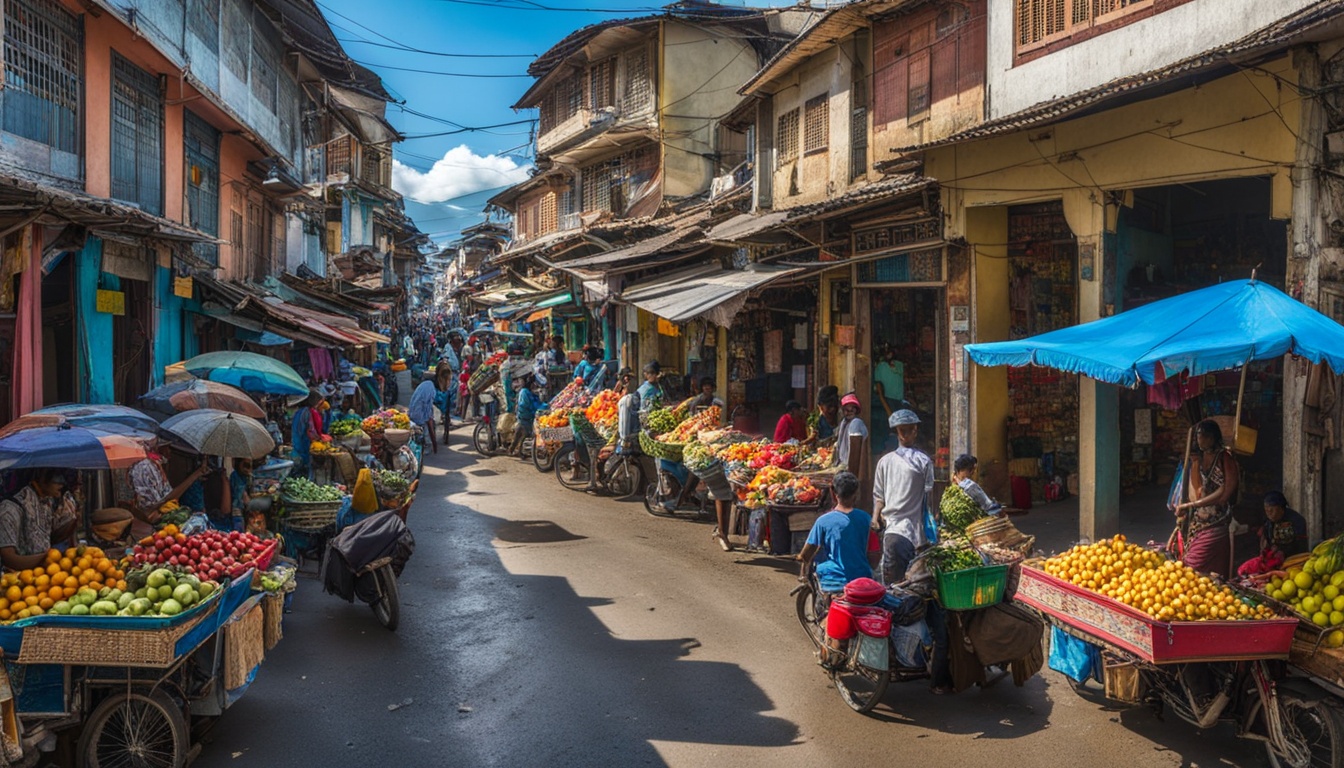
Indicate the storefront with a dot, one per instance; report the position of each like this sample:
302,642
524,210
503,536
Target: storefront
770,355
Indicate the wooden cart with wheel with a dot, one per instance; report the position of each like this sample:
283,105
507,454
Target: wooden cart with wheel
115,690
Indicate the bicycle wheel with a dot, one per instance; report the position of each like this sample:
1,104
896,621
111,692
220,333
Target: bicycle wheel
566,465
543,455
1313,732
132,728
655,495
861,687
485,439
811,615
626,478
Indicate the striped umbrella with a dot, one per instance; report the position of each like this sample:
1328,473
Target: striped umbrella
219,433
109,419
68,447
190,395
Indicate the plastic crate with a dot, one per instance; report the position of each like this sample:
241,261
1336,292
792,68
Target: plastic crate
971,588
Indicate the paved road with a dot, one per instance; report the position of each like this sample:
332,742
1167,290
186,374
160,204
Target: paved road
543,627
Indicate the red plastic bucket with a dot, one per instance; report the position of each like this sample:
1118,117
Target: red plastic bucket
846,619
864,591
840,621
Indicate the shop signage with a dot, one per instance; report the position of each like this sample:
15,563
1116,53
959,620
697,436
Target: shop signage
124,260
111,302
869,240
667,328
182,287
844,335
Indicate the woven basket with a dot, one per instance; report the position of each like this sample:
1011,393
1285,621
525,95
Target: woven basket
273,613
660,450
244,647
483,378
555,434
53,644
585,431
310,515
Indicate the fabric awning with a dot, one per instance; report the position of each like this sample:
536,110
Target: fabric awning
539,314
706,290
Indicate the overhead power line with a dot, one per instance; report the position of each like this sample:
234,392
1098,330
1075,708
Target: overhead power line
432,72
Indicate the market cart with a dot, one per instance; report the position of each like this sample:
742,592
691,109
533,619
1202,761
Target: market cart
128,686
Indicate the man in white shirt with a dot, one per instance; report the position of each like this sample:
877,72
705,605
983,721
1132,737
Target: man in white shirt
901,486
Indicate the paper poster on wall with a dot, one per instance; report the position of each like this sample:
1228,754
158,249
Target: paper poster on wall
110,302
182,287
799,378
800,336
961,318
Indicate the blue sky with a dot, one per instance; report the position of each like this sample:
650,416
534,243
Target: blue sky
434,173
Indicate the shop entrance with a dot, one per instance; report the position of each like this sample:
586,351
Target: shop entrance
58,333
909,368
1177,239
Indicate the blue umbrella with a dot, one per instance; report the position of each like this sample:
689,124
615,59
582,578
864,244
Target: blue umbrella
68,447
1213,329
248,371
116,419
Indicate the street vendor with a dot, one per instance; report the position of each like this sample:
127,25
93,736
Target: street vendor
149,482
851,436
963,474
650,395
828,412
901,485
40,515
304,428
588,365
1283,535
706,399
793,424
1212,490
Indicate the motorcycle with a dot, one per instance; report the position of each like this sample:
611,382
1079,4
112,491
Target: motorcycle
854,638
364,561
624,473
675,490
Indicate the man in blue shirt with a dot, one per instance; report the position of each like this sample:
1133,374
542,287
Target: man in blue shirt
529,403
650,394
421,409
839,539
588,365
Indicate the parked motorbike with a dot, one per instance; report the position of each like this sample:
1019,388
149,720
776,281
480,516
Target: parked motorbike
675,490
364,561
854,640
624,474
542,452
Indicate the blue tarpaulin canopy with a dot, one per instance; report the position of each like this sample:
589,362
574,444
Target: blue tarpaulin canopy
1213,329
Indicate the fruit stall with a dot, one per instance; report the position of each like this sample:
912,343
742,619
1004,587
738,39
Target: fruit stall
1310,588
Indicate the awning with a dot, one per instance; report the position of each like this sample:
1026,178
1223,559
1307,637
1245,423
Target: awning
744,225
706,290
540,314
554,301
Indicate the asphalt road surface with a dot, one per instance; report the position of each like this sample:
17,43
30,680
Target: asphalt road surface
543,627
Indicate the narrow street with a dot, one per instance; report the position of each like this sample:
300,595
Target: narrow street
543,627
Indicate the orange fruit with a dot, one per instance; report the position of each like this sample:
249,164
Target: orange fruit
121,584
70,581
85,562
23,614
31,601
14,594
35,610
85,577
54,568
76,570
42,581
70,591
45,603
29,591
104,566
26,576
53,555
67,564
56,593
5,615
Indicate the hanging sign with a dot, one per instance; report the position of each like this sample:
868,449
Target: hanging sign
182,287
111,302
667,328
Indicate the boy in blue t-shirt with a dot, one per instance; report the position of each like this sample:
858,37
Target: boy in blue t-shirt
839,539
529,403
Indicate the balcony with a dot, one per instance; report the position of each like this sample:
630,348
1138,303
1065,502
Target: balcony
566,130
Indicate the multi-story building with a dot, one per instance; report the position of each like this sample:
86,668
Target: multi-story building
144,143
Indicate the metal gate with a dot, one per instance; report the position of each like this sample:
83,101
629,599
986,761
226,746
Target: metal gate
201,141
137,136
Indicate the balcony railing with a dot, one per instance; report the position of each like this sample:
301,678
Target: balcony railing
570,221
564,131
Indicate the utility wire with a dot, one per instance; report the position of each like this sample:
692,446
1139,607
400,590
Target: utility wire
433,72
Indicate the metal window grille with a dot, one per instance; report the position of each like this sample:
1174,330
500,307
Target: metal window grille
612,185
137,136
1040,21
858,143
43,73
201,143
371,161
786,135
236,32
549,221
918,84
265,64
203,22
256,239
817,124
601,79
338,155
597,187
638,81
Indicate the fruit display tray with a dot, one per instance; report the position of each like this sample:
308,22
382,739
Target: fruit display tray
1159,642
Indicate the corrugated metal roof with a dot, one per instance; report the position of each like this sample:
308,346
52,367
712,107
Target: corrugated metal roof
743,227
678,236
707,290
1295,28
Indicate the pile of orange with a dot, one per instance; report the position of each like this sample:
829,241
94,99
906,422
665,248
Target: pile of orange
603,408
33,591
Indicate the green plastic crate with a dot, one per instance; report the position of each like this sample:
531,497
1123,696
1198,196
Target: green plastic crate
971,588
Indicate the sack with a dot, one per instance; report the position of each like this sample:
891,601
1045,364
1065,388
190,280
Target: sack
365,497
912,644
756,529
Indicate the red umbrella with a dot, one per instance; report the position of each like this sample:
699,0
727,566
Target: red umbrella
192,395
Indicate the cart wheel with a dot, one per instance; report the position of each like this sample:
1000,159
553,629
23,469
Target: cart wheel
565,464
543,455
653,498
134,729
861,688
485,439
1313,730
627,479
388,605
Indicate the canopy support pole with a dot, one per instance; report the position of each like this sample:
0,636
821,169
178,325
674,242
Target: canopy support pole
1236,416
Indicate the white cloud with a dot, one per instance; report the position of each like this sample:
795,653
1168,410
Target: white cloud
460,172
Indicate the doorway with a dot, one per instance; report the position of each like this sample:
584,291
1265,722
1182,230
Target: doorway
909,368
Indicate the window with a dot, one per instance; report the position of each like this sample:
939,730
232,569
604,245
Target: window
615,184
638,81
201,143
1040,22
786,136
917,95
858,143
237,35
601,84
816,124
137,136
549,221
203,21
43,73
265,64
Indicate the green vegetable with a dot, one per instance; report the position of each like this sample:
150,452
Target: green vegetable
664,420
958,509
304,490
953,557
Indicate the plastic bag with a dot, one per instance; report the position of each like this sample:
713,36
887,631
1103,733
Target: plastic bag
197,523
930,525
365,497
